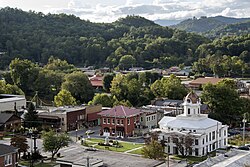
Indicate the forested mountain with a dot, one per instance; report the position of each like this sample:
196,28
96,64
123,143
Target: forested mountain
35,36
230,30
205,24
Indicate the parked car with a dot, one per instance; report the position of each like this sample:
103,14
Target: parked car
88,132
243,148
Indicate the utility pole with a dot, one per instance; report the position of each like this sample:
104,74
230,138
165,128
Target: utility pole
244,128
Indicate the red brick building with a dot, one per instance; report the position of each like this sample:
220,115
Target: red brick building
8,156
119,121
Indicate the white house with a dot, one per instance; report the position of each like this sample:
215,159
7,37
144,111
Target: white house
208,134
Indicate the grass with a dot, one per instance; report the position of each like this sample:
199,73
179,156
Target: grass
38,164
238,140
190,159
138,151
126,145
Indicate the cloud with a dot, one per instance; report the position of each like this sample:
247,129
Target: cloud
154,9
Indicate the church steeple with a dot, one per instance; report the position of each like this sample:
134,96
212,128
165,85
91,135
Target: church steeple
192,104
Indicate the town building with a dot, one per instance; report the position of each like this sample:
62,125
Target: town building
96,81
8,156
12,102
9,122
119,121
208,134
69,118
199,82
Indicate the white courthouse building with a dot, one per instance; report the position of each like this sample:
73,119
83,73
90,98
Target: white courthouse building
208,134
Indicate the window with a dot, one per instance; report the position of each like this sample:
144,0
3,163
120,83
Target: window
194,130
188,110
104,120
213,135
196,142
206,138
128,121
118,122
210,136
108,121
122,122
113,121
152,117
198,111
141,119
203,141
149,118
7,160
188,100
225,132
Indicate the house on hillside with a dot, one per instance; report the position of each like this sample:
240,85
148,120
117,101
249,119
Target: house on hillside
96,81
199,82
9,121
119,121
207,134
8,156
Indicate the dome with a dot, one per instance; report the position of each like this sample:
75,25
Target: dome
193,97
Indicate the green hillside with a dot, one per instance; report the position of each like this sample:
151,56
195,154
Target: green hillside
35,36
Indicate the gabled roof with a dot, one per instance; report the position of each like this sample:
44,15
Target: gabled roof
201,81
5,149
4,117
96,81
120,111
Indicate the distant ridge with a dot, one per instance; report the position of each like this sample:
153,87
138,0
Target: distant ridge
204,24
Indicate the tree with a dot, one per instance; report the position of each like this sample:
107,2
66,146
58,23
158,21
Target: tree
169,87
9,89
53,142
24,73
64,98
78,84
223,101
153,150
126,62
31,117
48,83
55,64
183,142
103,99
20,142
107,79
157,88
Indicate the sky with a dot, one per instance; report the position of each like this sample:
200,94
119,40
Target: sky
111,10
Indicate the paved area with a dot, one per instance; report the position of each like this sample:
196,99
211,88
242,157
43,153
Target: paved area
233,158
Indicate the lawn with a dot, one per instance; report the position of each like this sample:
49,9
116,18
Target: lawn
126,145
138,151
38,164
238,140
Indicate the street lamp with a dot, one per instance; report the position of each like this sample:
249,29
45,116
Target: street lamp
244,128
76,134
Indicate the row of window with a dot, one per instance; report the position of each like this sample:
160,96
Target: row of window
118,121
151,118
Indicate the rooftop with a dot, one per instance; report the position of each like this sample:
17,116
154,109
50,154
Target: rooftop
192,122
201,81
5,149
120,111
